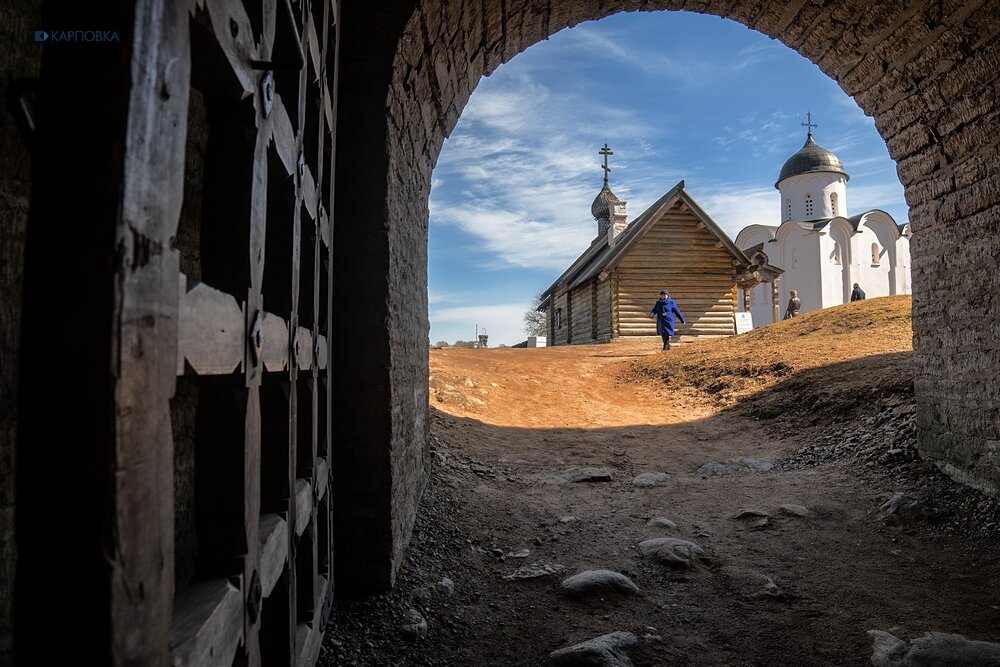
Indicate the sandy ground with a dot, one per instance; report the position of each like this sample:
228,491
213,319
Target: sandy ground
506,422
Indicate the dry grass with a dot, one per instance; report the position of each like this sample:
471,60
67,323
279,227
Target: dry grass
828,361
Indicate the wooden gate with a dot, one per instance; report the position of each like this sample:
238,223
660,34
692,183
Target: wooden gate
222,312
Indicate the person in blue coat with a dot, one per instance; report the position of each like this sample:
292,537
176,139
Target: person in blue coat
664,311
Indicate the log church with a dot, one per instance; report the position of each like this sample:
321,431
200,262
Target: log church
608,291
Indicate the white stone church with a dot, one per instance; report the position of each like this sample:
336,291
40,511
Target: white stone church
822,248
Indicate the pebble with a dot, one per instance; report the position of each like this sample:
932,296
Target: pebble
534,571
934,648
597,583
901,508
567,519
446,585
414,626
574,475
604,651
714,468
648,479
751,513
754,584
672,551
758,464
797,510
661,522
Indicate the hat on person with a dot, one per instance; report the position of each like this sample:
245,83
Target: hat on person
664,291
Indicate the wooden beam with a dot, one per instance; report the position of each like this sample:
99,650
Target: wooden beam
322,479
303,504
237,43
140,539
211,331
273,550
283,135
275,348
208,625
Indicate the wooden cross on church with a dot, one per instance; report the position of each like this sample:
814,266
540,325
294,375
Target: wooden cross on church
606,151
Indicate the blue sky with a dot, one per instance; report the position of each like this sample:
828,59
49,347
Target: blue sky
677,96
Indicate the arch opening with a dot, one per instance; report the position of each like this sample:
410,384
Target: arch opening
872,55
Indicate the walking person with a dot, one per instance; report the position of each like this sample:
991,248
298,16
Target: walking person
664,310
857,294
794,304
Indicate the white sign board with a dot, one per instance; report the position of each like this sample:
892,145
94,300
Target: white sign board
536,341
744,322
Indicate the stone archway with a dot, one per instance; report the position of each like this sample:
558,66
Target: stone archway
925,71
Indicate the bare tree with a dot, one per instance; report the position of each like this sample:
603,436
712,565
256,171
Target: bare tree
535,323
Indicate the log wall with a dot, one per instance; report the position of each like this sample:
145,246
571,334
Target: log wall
679,254
603,310
560,334
581,312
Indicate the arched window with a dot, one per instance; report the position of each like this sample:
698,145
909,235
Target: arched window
788,209
875,254
809,205
833,203
835,255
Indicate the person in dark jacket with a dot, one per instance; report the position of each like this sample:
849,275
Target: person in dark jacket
794,305
664,311
857,294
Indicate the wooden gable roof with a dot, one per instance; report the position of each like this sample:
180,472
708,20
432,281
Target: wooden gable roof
601,257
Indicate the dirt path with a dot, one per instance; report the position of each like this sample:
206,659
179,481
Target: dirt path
506,423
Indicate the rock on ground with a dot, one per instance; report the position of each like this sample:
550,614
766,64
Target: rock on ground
754,584
661,522
715,468
604,651
934,648
648,479
758,464
796,510
414,625
586,475
901,508
672,551
598,582
534,571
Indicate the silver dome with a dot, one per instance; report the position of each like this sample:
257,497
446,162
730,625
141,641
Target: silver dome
811,158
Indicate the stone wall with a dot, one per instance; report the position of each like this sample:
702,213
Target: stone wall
927,72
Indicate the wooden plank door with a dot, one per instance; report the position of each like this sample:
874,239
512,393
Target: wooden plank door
222,415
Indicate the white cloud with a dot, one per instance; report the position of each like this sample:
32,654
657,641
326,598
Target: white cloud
734,207
502,323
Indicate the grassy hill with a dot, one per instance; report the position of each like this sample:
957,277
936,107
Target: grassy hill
829,362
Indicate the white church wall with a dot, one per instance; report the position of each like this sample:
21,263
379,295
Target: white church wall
800,252
826,190
831,269
903,266
877,254
874,262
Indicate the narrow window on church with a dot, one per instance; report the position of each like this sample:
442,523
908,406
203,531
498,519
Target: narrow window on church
835,255
875,254
809,204
788,209
833,204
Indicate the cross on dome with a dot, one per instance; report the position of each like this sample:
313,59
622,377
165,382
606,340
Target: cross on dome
606,151
809,125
